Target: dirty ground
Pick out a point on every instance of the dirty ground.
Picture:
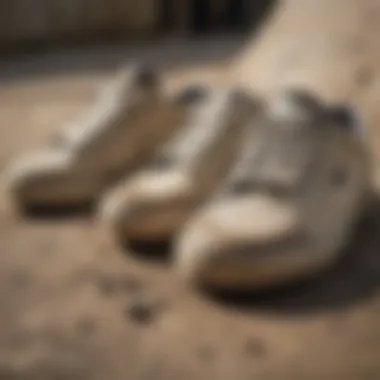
(73, 305)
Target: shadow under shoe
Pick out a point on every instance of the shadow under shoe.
(353, 277)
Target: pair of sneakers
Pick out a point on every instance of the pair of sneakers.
(253, 193)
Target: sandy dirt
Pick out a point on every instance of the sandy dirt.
(74, 305)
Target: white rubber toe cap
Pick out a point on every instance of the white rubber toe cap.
(150, 206)
(239, 243)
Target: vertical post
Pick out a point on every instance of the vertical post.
(181, 10)
(218, 13)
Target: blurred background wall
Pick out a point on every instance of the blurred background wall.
(75, 20)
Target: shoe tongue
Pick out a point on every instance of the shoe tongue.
(277, 159)
(294, 110)
(289, 115)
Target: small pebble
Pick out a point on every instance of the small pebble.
(110, 285)
(142, 311)
(106, 285)
(86, 327)
(255, 347)
(130, 285)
